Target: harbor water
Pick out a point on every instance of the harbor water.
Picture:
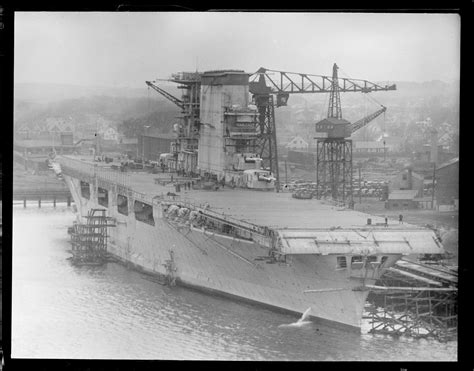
(63, 311)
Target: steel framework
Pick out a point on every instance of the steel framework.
(281, 82)
(265, 83)
(267, 138)
(335, 109)
(334, 169)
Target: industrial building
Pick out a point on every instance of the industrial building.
(33, 153)
(447, 185)
(370, 147)
(402, 199)
(152, 144)
(407, 179)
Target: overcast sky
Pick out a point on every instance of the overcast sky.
(125, 49)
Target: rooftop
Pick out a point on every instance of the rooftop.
(39, 143)
(448, 163)
(334, 121)
(408, 194)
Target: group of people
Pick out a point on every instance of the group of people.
(400, 220)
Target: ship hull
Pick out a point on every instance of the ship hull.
(216, 263)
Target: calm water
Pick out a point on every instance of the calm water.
(61, 311)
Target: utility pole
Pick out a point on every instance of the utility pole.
(286, 173)
(360, 189)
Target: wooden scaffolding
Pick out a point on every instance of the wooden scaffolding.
(420, 307)
(89, 240)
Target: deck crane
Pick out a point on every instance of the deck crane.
(266, 83)
(184, 149)
(167, 95)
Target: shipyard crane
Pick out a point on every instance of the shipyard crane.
(334, 152)
(265, 84)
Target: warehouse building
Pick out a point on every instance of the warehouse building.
(152, 145)
(447, 185)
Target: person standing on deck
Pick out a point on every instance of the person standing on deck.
(400, 219)
(386, 222)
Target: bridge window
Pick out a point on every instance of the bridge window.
(85, 190)
(341, 262)
(144, 213)
(122, 204)
(103, 197)
(372, 259)
(357, 262)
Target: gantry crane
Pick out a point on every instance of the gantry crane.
(266, 83)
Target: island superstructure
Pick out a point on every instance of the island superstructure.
(221, 226)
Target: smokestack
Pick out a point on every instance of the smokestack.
(434, 146)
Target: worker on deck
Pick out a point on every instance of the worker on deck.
(386, 221)
(400, 219)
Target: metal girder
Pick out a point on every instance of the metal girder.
(267, 136)
(299, 83)
(335, 109)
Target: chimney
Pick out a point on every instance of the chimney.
(434, 146)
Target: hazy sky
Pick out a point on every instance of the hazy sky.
(125, 49)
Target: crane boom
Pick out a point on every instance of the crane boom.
(364, 121)
(167, 95)
(280, 82)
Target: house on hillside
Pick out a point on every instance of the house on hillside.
(297, 143)
(110, 134)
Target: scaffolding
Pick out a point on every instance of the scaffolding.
(420, 314)
(89, 240)
(415, 306)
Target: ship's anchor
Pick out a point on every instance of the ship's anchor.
(170, 270)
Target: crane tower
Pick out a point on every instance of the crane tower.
(334, 152)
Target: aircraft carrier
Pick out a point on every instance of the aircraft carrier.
(218, 220)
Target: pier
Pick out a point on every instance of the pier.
(41, 196)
